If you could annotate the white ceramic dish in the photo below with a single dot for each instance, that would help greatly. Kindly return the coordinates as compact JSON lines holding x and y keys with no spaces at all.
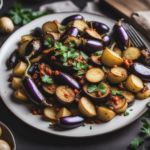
{"x":21,"y":110}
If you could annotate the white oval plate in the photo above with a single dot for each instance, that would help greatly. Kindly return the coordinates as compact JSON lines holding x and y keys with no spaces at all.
{"x":21,"y":110}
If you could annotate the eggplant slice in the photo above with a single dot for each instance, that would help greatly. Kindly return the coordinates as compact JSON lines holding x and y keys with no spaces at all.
{"x":65,"y":96}
{"x":80,"y":24}
{"x":50,"y":26}
{"x":94,"y":75}
{"x":95,"y":97}
{"x":95,"y":60}
{"x":49,"y":89}
{"x":52,"y":35}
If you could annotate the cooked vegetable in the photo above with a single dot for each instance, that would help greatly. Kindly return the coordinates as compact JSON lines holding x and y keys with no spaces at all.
{"x":50,"y":26}
{"x":143,"y":94}
{"x":145,"y":56}
{"x":37,"y":58}
{"x":50,"y":112}
{"x":26,"y":38}
{"x":121,"y":35}
{"x":94,"y":95}
{"x":104,"y":113}
{"x":86,"y":107}
{"x":4,"y":145}
{"x":1,"y":132}
{"x":19,"y":69}
{"x":117,"y":75}
{"x":118,"y":51}
{"x":132,"y":53}
{"x":72,"y":18}
{"x":71,"y":38}
{"x":63,"y":112}
{"x":141,"y":71}
{"x":13,"y":59}
{"x":64,"y":95}
{"x":22,"y":49}
{"x":106,"y":40}
{"x":95,"y":60}
{"x":94,"y":75}
{"x":69,"y":122}
{"x":21,"y":95}
{"x":134,"y":83}
{"x":16,"y":83}
{"x":33,"y":68}
{"x":67,"y":80}
{"x":91,"y":34}
{"x":75,"y":112}
{"x":6,"y":25}
{"x":37,"y":32}
{"x":100,"y":27}
{"x":49,"y":89}
{"x":110,"y":58}
{"x":52,"y":35}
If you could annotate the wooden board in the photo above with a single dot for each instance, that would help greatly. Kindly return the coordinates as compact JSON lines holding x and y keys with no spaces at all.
{"x":126,"y":7}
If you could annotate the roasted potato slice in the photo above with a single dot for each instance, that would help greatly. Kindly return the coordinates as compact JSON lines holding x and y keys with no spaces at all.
{"x":104,"y":113}
{"x":118,"y":51}
{"x":20,"y":68}
{"x":110,"y":58}
{"x":0,"y":131}
{"x":80,"y":24}
{"x":142,"y":95}
{"x":50,"y":26}
{"x":86,"y":107}
{"x":117,"y":75}
{"x":20,"y":94}
{"x":16,"y":83}
{"x":63,"y":112}
{"x":134,"y":83}
{"x":71,"y":38}
{"x":50,"y":112}
{"x":26,"y":38}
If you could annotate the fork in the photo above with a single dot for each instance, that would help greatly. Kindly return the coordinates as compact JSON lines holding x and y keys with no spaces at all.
{"x":137,"y":41}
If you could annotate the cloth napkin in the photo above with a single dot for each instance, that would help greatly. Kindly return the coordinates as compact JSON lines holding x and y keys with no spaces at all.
{"x":140,"y":20}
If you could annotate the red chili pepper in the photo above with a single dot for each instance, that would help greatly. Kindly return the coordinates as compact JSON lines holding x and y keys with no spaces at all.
{"x":49,"y":72}
{"x":99,"y":94}
{"x":76,"y":91}
{"x":56,"y":73}
{"x":78,"y":60}
{"x":42,"y":73}
{"x":53,"y":58}
{"x":55,"y":21}
{"x":116,"y":102}
{"x":35,"y":76}
{"x":130,"y":61}
{"x":34,"y":112}
{"x":45,"y":52}
{"x":115,"y":98}
{"x":115,"y":66}
{"x":54,"y":119}
{"x":126,"y":63}
{"x":91,"y":29}
{"x":81,"y":82}
{"x":123,"y":58}
{"x":57,"y":109}
{"x":67,"y":95}
{"x":90,"y":66}
{"x":92,"y":121}
{"x":39,"y":84}
{"x":76,"y":100}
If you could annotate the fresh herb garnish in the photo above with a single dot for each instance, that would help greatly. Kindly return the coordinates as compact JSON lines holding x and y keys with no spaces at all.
{"x":65,"y":64}
{"x":83,"y":125}
{"x":143,"y":148}
{"x":131,"y":109}
{"x":47,"y":79}
{"x":72,"y":43}
{"x":103,"y":68}
{"x":126,"y":113}
{"x":20,"y":15}
{"x":62,"y":28}
{"x":83,"y":55}
{"x":67,"y":86}
{"x":135,"y":143}
{"x":90,"y":127}
{"x":32,"y":30}
{"x":146,"y":127}
{"x":148,"y":104}
{"x":48,"y":42}
{"x":116,"y":92}
{"x":78,"y":36}
{"x":80,"y":73}
{"x":100,"y":88}
{"x":98,"y":52}
{"x":147,"y":115}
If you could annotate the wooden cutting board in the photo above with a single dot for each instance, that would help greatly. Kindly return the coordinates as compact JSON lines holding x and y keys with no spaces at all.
{"x":126,"y":7}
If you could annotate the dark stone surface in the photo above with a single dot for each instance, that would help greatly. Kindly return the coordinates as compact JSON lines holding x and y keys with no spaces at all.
{"x":28,"y":138}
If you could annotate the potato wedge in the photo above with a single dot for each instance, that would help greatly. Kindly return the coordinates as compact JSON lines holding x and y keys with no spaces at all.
{"x":104,"y":113}
{"x":80,"y":24}
{"x":50,"y":26}
{"x":75,"y":112}
{"x":86,"y":107}
{"x":26,"y":38}
{"x":1,"y":132}
{"x":63,"y":112}
{"x":20,"y":68}
{"x":50,"y":112}
{"x":110,"y":58}
{"x":117,"y":75}
{"x":16,"y":83}
{"x":134,"y":83}
{"x":118,"y":51}
{"x":21,"y":95}
{"x":142,"y":95}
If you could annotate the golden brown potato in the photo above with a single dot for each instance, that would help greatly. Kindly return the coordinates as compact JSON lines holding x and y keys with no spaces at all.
{"x":104,"y":113}
{"x":0,"y":131}
{"x":4,"y":145}
{"x":26,"y":38}
{"x":63,"y":112}
{"x":21,"y":95}
{"x":118,"y":51}
{"x":142,"y":95}
{"x":50,"y":26}
{"x":134,"y":83}
{"x":50,"y":112}
{"x":86,"y":107}
{"x":20,"y":68}
{"x":16,"y":83}
{"x":117,"y":75}
{"x":75,"y":112}
{"x":110,"y":58}
{"x":80,"y":24}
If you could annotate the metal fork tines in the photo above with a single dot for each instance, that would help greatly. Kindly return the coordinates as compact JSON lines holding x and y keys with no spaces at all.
{"x":135,"y":38}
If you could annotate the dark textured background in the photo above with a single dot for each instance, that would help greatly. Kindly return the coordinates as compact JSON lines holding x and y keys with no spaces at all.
{"x":28,"y":138}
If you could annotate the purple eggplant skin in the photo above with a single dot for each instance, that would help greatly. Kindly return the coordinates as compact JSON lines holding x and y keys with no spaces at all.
{"x":121,"y":35}
{"x":33,"y":68}
{"x":66,"y":79}
{"x":71,"y":31}
{"x":33,"y":92}
{"x":90,"y":46}
{"x":145,"y":56}
{"x":34,"y":46}
{"x":100,"y":27}
{"x":106,"y":40}
{"x":131,"y":103}
{"x":72,"y":18}
{"x":143,"y":72}
{"x":37,"y":32}
{"x":71,"y":122}
{"x":13,"y":59}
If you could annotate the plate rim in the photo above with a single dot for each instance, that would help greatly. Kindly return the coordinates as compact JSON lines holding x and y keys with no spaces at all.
{"x":56,"y":134}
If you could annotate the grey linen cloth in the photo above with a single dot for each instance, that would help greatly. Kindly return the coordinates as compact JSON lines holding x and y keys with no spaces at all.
{"x":140,"y":20}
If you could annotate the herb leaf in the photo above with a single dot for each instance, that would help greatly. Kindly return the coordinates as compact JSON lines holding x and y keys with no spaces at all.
{"x":47,"y":79}
{"x":135,"y":143}
{"x":126,"y":113}
{"x":101,"y":86}
{"x":98,"y":52}
{"x":67,"y":86}
{"x":48,"y":42}
{"x":72,"y":43}
{"x":131,"y":109}
{"x":146,"y":127}
{"x":103,"y":68}
{"x":63,"y":58}
{"x":90,"y":127}
{"x":83,"y":55}
{"x":91,"y":88}
{"x":116,"y":92}
{"x":148,"y":104}
{"x":65,"y":64}
{"x":80,"y":73}
{"x":62,"y":28}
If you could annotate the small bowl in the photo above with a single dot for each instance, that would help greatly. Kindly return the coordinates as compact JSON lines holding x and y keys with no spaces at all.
{"x":7,"y":136}
{"x":1,"y":3}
